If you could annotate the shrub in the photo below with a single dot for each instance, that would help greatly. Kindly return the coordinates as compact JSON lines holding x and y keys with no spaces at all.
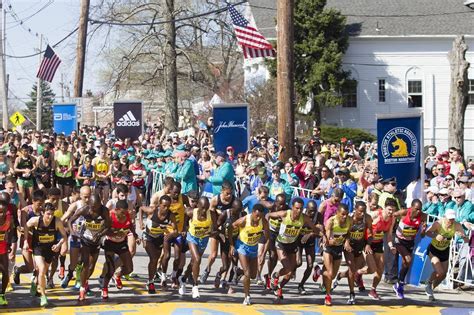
{"x":335,"y":134}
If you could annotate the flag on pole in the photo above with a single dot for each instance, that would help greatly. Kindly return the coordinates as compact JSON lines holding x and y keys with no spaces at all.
{"x":253,"y":43}
{"x":49,"y":65}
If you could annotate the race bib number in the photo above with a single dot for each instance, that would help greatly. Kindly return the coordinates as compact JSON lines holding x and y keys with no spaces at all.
{"x":48,"y":238}
{"x":253,"y":238}
{"x":357,"y":235}
{"x":93,"y":226}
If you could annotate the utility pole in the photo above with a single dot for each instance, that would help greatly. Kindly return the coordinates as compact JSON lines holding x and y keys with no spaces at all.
{"x":39,"y":92}
{"x":171,"y":71}
{"x":285,"y":77}
{"x":81,"y":48}
{"x":3,"y":80}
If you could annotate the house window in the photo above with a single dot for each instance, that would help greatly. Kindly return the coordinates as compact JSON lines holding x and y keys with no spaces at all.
{"x":349,"y":94}
{"x":415,"y":93}
{"x":381,"y":90}
{"x":470,"y":93}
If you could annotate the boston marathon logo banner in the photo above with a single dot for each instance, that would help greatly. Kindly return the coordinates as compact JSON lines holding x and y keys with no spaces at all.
{"x":399,"y":148}
{"x":231,"y":127}
{"x":128,"y":119}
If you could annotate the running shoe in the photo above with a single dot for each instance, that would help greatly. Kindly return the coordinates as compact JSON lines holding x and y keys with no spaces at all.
{"x":279,"y":293}
{"x":316,"y":273}
{"x":224,"y":284}
{"x":373,"y":294}
{"x":3,"y":300}
{"x":61,"y":273}
{"x":151,"y":288}
{"x":196,"y":292}
{"x":43,"y":301}
{"x":82,"y":294}
{"x":33,"y":287}
{"x":301,"y":289}
{"x":9,"y":288}
{"x":118,"y":282}
{"x":50,"y":283}
{"x":204,"y":276}
{"x":429,"y":291}
{"x":352,"y":299}
{"x":231,"y":290}
{"x":335,"y":283}
{"x":182,"y":286}
{"x":16,"y":275}
{"x":217,"y":280}
{"x":105,"y":293}
{"x":398,"y":289}
{"x":247,"y":300}
{"x":274,"y":281}
{"x":65,"y":282}
{"x":77,"y":284}
{"x":328,"y":300}
{"x":267,"y":281}
{"x":259,"y":281}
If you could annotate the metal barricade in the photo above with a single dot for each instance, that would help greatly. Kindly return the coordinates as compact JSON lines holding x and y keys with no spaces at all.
{"x":460,"y":264}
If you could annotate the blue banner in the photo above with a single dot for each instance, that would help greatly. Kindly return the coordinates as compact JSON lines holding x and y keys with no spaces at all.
{"x":399,"y":148}
{"x":64,"y":118}
{"x":231,"y":127}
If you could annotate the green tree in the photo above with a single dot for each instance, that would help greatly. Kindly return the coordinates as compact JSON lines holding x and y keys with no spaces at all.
{"x":320,"y":44}
{"x":47,"y":110}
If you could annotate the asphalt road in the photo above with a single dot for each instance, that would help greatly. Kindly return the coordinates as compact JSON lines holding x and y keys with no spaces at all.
{"x":134,"y":297}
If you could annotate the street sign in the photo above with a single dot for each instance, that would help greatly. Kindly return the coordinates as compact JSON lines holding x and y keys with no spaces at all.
{"x":17,"y":119}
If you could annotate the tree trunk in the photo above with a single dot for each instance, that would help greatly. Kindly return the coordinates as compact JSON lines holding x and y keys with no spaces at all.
{"x":458,"y":94}
{"x":170,"y":77}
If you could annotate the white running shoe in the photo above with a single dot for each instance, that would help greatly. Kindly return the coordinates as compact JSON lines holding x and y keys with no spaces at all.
{"x":247,"y":300}
{"x":182,"y":286}
{"x":196,"y":292}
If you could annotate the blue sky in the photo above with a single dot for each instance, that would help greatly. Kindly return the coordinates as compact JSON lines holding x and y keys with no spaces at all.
{"x":55,"y":21}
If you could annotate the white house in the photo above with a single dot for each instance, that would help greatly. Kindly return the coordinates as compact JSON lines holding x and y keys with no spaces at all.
{"x":398,"y":56}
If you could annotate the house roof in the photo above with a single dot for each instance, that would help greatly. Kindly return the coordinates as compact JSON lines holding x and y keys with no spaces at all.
{"x":386,"y":17}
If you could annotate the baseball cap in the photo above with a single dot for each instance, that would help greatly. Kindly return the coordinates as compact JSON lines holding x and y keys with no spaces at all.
{"x":450,"y":214}
{"x":221,"y":154}
{"x":432,"y":189}
{"x":458,"y":192}
{"x":443,"y":191}
{"x":230,"y":148}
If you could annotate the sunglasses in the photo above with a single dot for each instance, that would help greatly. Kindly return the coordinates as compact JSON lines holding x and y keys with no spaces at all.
{"x":440,"y":169}
{"x":458,"y":197}
{"x":393,"y":183}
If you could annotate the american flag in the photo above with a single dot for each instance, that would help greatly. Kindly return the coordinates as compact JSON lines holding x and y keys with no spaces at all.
{"x":49,"y":65}
{"x":253,"y":43}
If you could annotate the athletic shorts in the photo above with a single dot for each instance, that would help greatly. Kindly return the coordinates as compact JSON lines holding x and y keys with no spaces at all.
{"x":93,"y":248}
{"x":178,"y":240}
{"x":377,"y":247}
{"x":44,"y":251}
{"x":246,"y":250}
{"x":409,"y":245}
{"x":118,"y":248}
{"x":289,"y":248}
{"x":443,"y":255}
{"x":65,"y":181}
{"x":225,"y":246}
{"x":334,"y":251}
{"x":309,"y":243}
{"x":201,"y":243}
{"x":156,"y":241}
{"x":357,"y":248}
{"x":74,"y":241}
{"x":27,"y":183}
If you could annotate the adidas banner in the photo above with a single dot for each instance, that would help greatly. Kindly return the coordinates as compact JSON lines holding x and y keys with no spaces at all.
{"x":400,"y":145}
{"x":128,"y":119}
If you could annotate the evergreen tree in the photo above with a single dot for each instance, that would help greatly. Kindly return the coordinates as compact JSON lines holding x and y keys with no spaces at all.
{"x":320,"y":43}
{"x":47,"y":110}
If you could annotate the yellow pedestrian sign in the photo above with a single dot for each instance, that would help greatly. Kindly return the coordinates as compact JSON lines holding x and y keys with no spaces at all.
{"x":17,"y":119}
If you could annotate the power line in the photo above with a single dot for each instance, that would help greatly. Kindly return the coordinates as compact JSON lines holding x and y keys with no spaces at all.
{"x":93,"y":21}
{"x":383,"y":15}
{"x":53,"y":46}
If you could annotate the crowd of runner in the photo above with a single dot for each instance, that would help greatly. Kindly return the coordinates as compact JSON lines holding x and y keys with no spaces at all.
{"x":64,"y":198}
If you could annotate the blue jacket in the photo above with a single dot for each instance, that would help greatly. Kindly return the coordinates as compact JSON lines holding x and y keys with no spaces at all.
{"x":224,"y":172}
{"x":350,"y":191}
{"x":187,"y":176}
